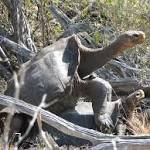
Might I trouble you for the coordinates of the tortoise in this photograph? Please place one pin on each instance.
(127, 109)
(63, 71)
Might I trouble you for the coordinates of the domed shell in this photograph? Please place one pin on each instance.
(50, 72)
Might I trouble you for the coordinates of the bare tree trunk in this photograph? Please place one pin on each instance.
(22, 33)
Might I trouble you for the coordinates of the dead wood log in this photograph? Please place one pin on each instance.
(53, 120)
(16, 48)
(137, 144)
(126, 86)
(69, 128)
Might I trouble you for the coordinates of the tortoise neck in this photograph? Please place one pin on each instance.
(92, 59)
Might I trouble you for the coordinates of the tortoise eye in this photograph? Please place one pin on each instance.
(138, 94)
(135, 35)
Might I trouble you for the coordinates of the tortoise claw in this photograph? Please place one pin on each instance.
(106, 123)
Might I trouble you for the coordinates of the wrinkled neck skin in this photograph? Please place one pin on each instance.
(92, 59)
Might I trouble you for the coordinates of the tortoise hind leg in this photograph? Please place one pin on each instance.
(99, 91)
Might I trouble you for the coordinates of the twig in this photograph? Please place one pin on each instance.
(42, 104)
(5, 59)
(3, 55)
(6, 129)
(61, 17)
(48, 140)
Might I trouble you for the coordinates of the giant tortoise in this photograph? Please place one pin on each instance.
(62, 72)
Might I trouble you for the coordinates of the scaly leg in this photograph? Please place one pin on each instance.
(99, 92)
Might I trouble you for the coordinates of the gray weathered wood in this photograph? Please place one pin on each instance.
(67, 127)
(53, 120)
(16, 48)
(60, 16)
(138, 144)
(5, 60)
(128, 85)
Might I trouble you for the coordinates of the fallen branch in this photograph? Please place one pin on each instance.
(67, 127)
(16, 48)
(60, 16)
(125, 86)
(68, 25)
(53, 120)
(137, 144)
(5, 60)
(128, 85)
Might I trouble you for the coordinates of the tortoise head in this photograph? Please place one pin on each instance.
(131, 38)
(137, 96)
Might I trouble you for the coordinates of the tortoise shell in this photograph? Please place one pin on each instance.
(51, 72)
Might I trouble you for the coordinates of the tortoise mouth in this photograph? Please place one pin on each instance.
(141, 37)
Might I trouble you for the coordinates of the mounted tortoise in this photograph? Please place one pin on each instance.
(61, 71)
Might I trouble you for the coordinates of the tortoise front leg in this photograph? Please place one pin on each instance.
(99, 92)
